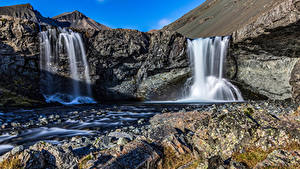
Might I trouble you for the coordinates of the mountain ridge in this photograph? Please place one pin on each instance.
(73, 19)
(220, 17)
(78, 20)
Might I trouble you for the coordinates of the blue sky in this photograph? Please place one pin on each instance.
(143, 15)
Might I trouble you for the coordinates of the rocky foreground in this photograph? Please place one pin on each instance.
(241, 135)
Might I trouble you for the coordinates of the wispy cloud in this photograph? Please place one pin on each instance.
(163, 22)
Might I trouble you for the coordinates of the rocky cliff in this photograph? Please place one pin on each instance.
(128, 64)
(19, 60)
(124, 64)
(132, 65)
(264, 48)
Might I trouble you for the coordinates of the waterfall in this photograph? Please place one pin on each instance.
(54, 47)
(207, 56)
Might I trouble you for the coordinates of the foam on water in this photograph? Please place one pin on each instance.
(66, 99)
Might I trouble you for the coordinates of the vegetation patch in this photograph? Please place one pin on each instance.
(11, 163)
(248, 111)
(172, 160)
(84, 160)
(253, 156)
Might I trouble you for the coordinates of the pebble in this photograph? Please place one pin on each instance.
(122, 141)
(17, 149)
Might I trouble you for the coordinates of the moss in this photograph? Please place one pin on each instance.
(248, 111)
(172, 160)
(3, 20)
(84, 160)
(253, 156)
(12, 99)
(11, 163)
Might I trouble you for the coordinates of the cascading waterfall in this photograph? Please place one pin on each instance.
(207, 57)
(53, 45)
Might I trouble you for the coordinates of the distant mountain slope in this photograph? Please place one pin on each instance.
(76, 19)
(220, 17)
(26, 11)
(71, 19)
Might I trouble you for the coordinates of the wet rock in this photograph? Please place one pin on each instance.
(281, 158)
(120, 135)
(122, 141)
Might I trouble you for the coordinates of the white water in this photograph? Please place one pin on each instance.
(52, 46)
(207, 57)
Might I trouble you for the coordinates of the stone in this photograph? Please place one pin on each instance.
(120, 135)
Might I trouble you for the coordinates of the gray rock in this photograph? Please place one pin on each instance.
(120, 135)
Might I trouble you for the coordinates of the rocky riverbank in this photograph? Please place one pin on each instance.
(236, 135)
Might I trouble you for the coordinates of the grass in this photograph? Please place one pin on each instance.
(171, 160)
(11, 163)
(249, 111)
(253, 156)
(84, 160)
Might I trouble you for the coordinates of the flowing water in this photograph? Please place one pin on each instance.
(54, 44)
(207, 56)
(59, 124)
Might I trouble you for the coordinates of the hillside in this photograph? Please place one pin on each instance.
(220, 17)
(76, 19)
(70, 19)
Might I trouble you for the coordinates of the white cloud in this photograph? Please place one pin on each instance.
(163, 22)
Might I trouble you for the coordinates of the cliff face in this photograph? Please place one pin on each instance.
(128, 64)
(132, 65)
(264, 48)
(78, 20)
(19, 58)
(267, 50)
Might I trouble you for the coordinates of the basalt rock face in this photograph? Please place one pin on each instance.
(264, 48)
(124, 64)
(128, 64)
(19, 59)
(267, 52)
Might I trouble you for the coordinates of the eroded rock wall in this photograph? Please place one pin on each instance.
(266, 51)
(19, 58)
(128, 64)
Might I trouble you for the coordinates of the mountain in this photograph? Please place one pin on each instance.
(71, 19)
(78, 20)
(220, 17)
(26, 11)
